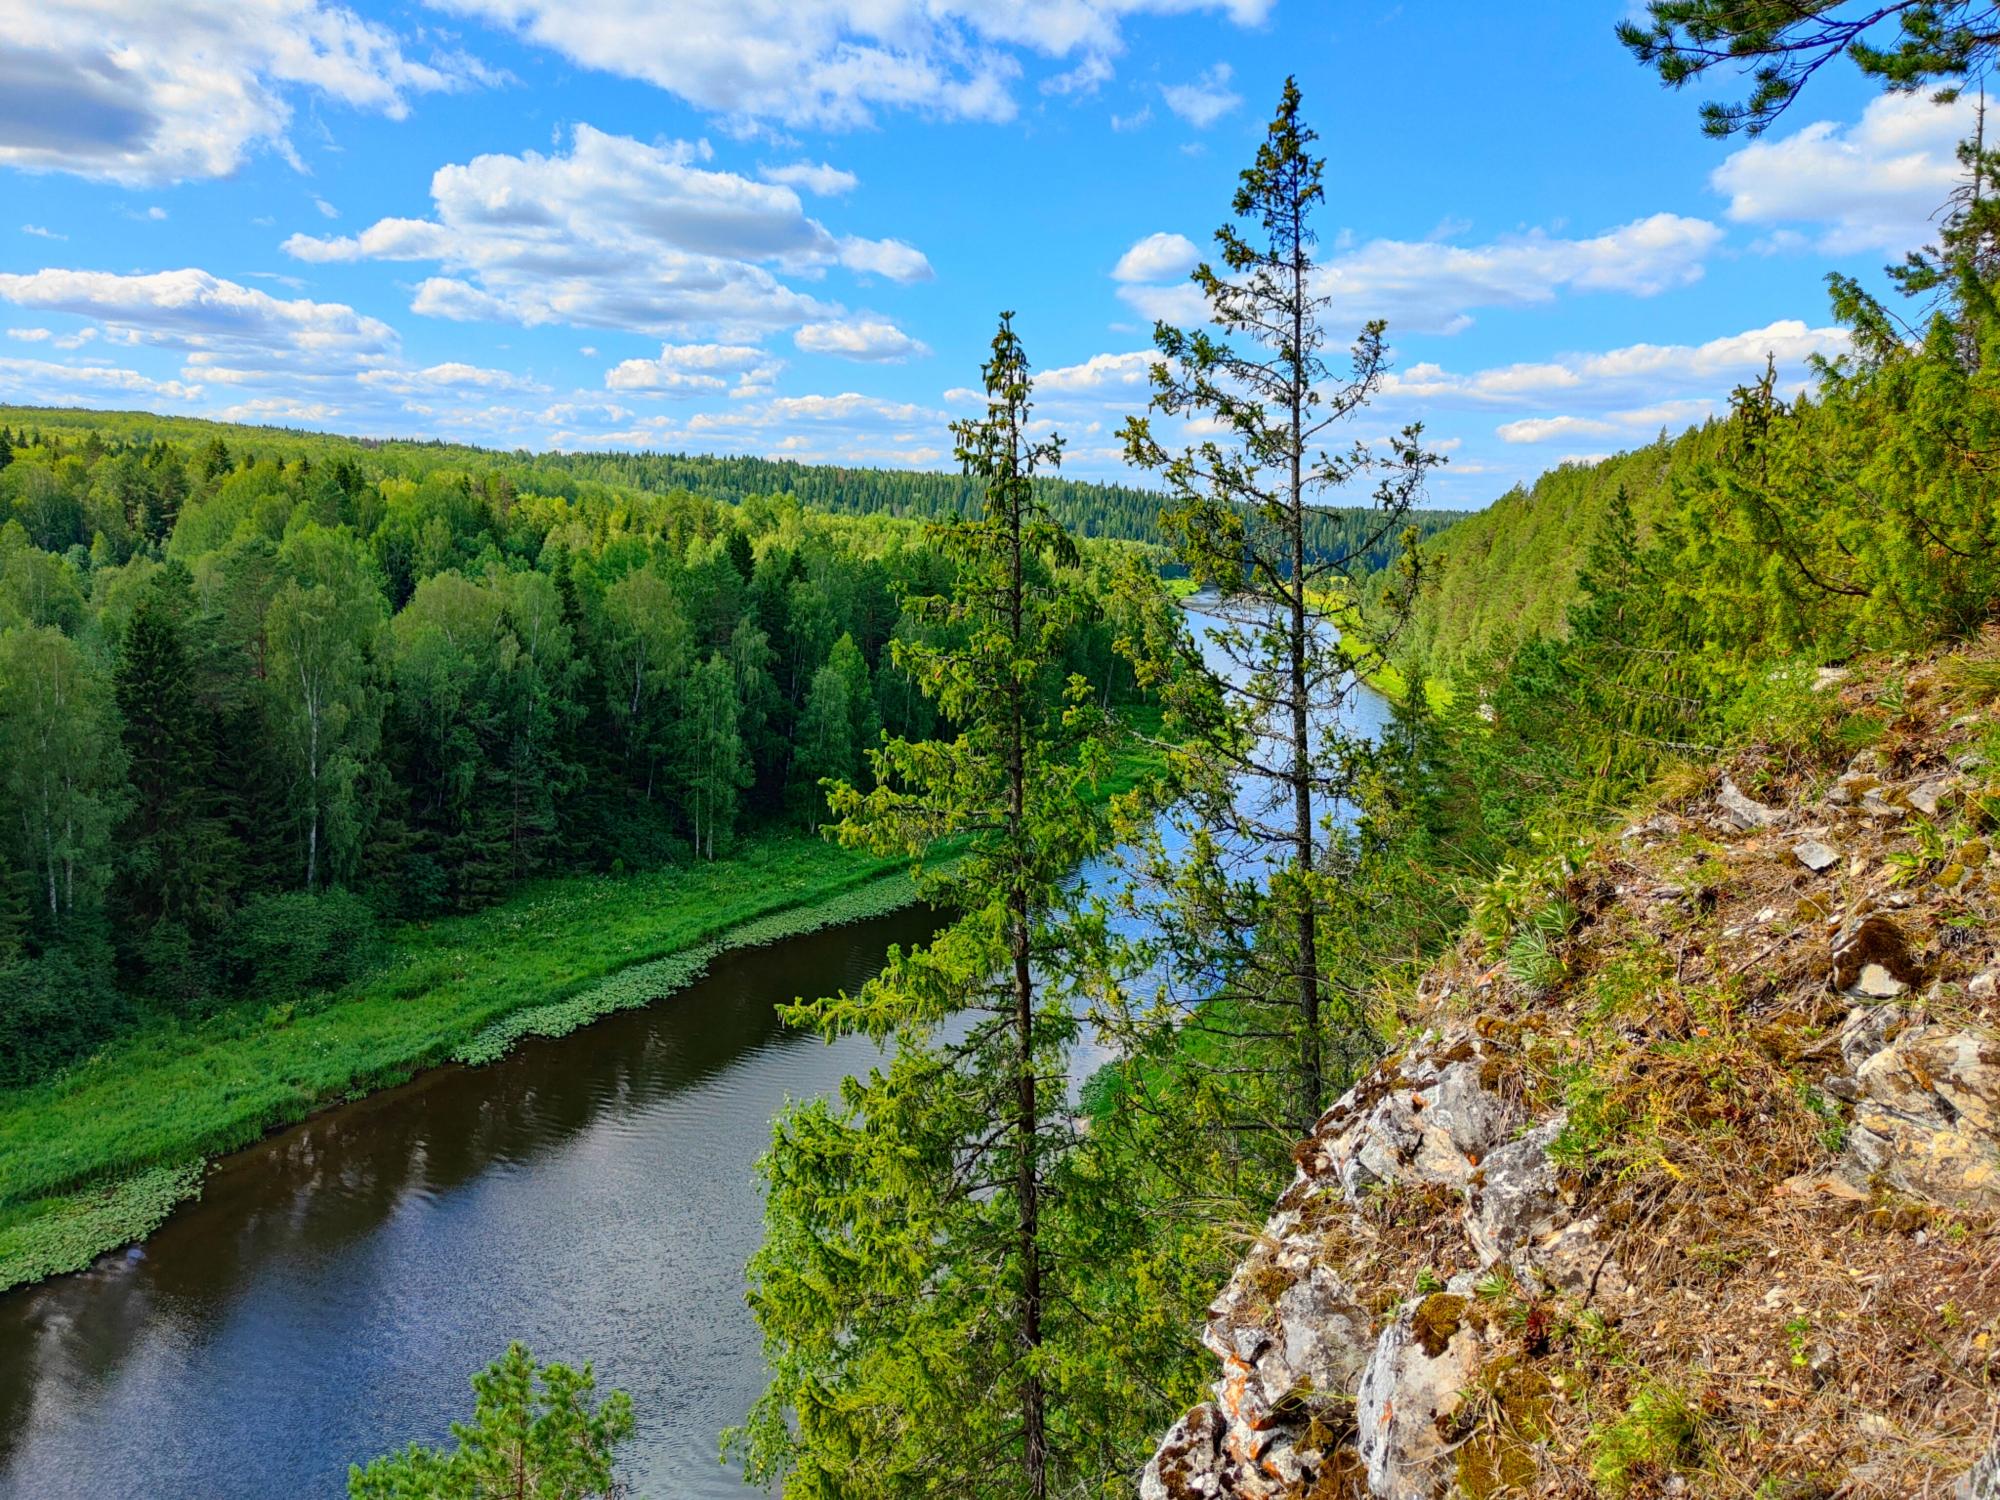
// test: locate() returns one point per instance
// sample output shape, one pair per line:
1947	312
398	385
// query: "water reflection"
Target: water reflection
328	1295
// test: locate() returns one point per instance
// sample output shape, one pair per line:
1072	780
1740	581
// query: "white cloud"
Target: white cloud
1429	286
859	338
1614	375
1870	186
45	382
1157	257
326	209
837	63
694	369
818	178
1204	101
154	91
194	310
42	234
616	234
452	375
1637	423
1123	373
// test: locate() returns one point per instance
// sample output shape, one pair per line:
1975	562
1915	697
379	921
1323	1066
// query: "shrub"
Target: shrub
293	944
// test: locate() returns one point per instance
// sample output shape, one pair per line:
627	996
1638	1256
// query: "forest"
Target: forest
284	694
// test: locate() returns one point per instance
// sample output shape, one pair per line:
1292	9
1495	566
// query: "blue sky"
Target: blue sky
786	226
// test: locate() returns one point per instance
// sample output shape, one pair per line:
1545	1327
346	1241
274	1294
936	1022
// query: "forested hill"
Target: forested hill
1087	509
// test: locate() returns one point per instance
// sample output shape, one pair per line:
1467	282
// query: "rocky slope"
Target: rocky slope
1694	1190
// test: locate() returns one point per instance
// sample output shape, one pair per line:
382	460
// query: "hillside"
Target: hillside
1111	511
1509	573
1682	1176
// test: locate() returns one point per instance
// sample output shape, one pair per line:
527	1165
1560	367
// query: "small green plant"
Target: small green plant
1429	1282
1659	1432
1798	1334
1497	1285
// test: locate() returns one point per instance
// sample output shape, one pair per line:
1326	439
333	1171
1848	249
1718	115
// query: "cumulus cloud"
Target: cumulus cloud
816	178
453	375
616	233
1098	375
194	310
45	382
694	369
1874	185
1431	286
1157	257
838	63
1615	374
152	91
859	338
1204	101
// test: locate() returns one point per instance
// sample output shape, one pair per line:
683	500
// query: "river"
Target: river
326	1298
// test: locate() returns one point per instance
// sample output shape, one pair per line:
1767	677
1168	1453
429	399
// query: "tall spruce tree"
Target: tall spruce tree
1266	698
915	1320
173	843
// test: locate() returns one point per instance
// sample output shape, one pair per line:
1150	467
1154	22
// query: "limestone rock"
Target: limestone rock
1412	1387
1982	1480
1816	856
1739	811
1189	1464
1876	983
1430	1119
1928	1121
1866	1031
1929	797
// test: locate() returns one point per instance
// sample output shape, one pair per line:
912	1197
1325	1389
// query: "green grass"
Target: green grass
545	961
96	1157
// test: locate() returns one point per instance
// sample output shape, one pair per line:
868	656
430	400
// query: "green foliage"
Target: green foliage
67	1233
295	943
239	663
1905	44
1657	1433
921	1289
534	1431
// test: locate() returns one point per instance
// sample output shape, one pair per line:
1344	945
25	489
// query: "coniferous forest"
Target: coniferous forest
277	708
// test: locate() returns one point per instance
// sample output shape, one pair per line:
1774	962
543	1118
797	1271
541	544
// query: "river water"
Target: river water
326	1298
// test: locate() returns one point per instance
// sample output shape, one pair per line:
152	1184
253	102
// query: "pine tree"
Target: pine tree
1278	762
915	1321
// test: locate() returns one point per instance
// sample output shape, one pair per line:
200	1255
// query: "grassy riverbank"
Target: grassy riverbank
130	1123
98	1156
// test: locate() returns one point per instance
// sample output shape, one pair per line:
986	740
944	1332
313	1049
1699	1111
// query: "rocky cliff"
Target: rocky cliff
1694	1191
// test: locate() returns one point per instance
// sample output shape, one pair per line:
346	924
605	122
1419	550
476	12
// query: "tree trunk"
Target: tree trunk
1311	1082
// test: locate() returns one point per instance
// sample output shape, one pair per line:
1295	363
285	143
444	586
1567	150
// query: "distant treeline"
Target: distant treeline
1087	509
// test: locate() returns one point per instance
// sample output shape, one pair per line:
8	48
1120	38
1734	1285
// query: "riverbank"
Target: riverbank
99	1156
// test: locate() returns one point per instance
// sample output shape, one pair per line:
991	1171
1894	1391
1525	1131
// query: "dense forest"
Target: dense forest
1086	508
254	698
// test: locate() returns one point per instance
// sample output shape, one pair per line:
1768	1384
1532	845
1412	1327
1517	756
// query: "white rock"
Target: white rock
1741	811
1877	983
1815	856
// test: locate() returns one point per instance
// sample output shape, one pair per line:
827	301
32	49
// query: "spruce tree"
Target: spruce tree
914	1318
173	844
1266	700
